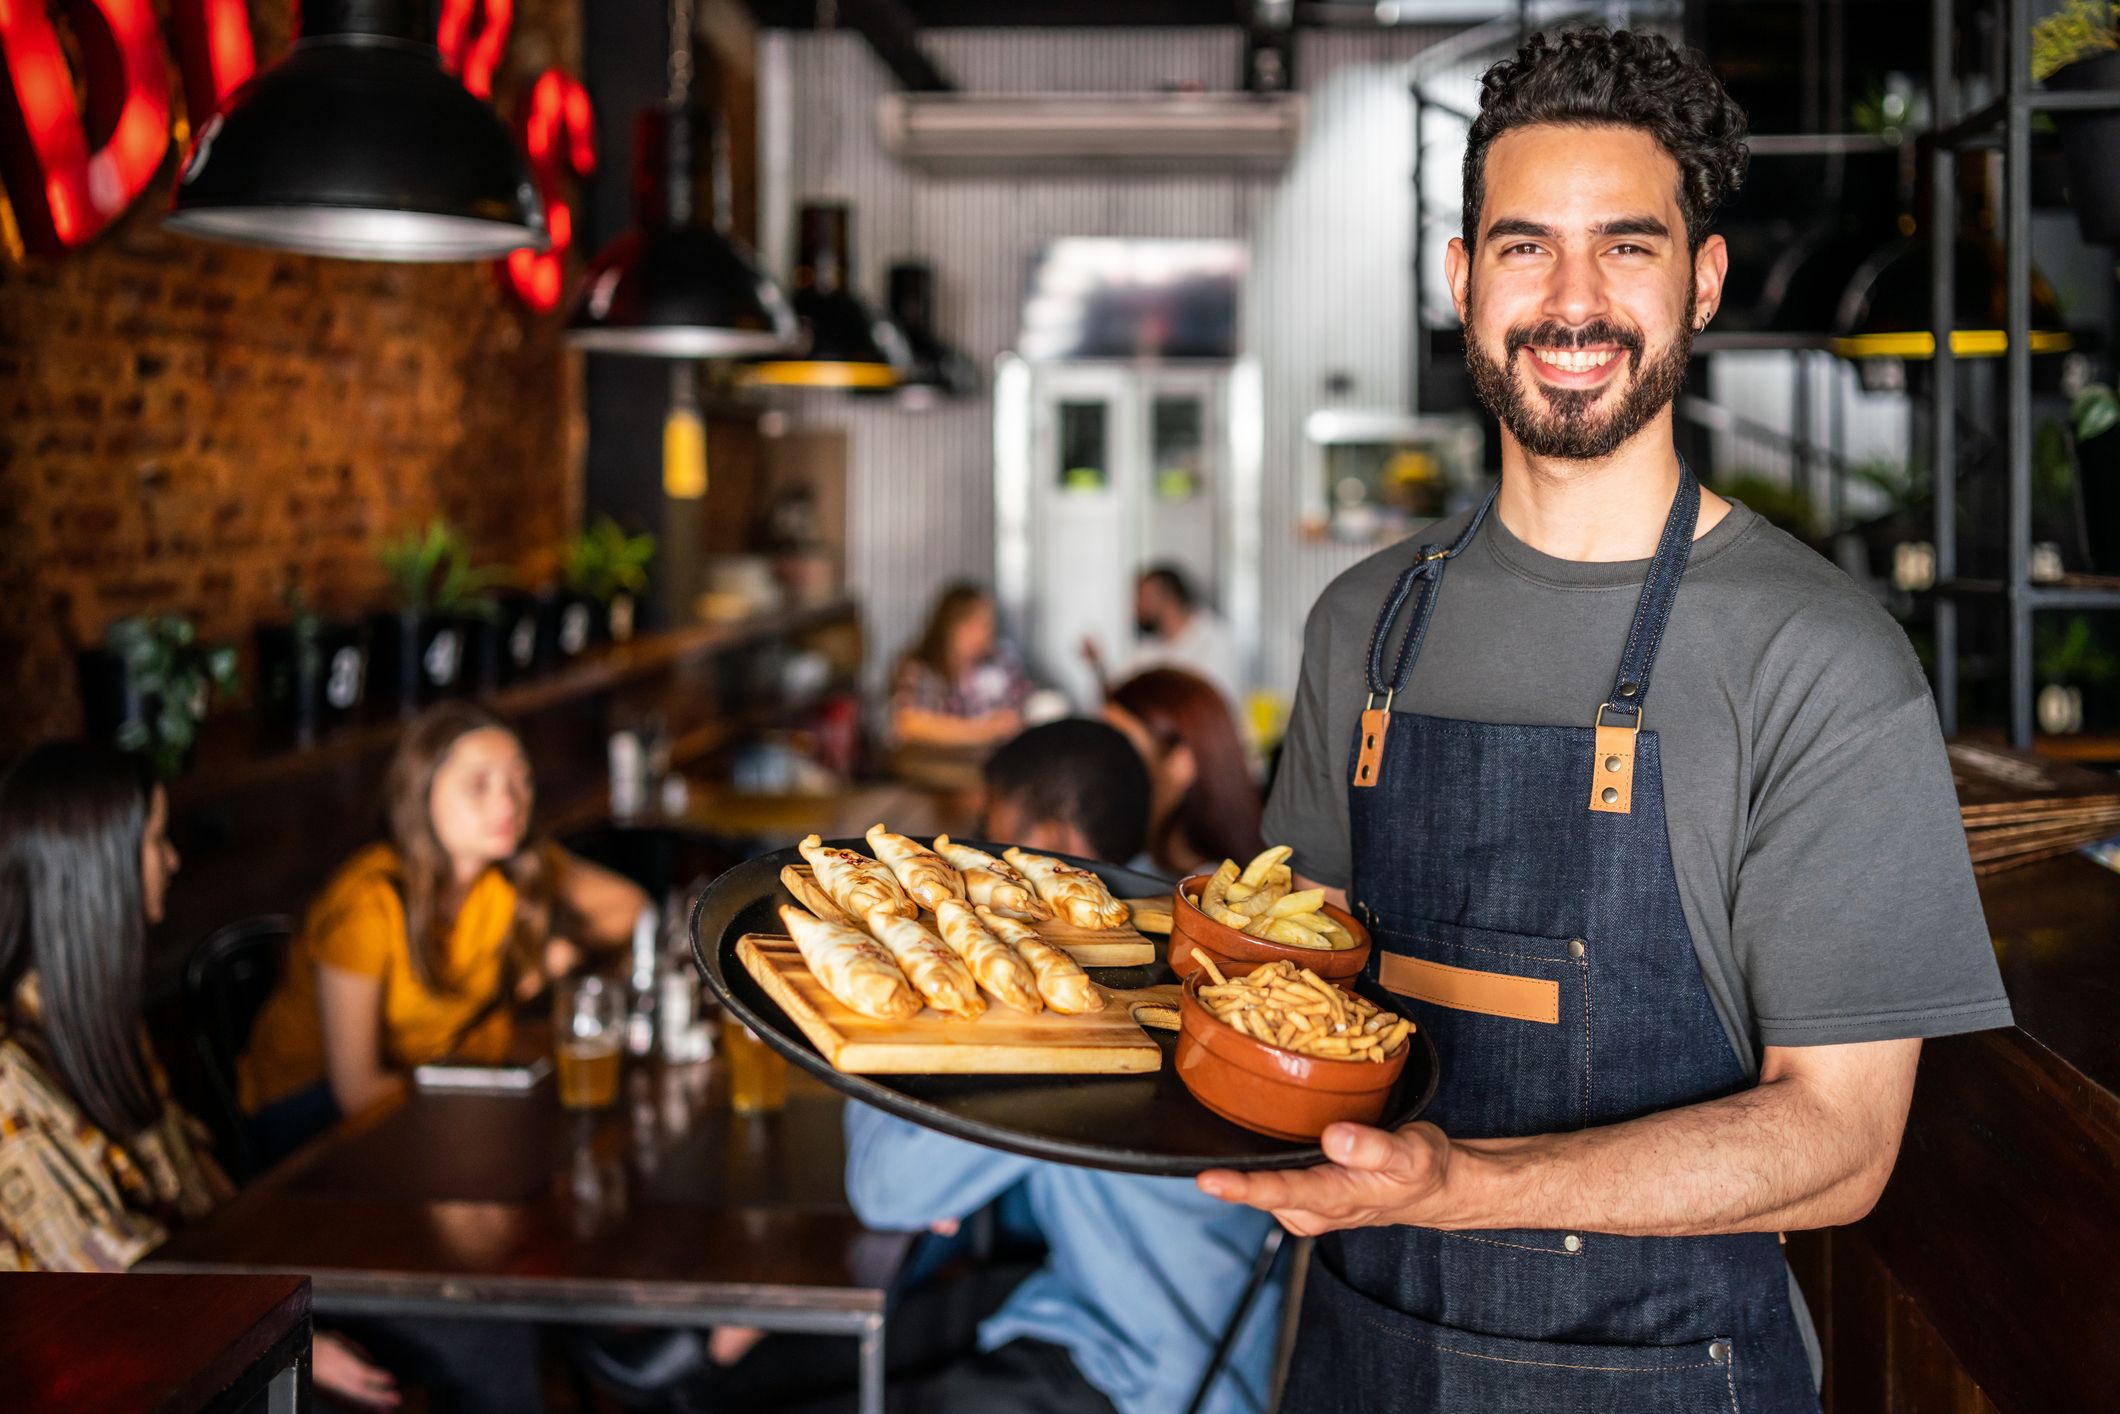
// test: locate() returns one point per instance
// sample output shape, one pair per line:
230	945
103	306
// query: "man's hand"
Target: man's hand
1810	1145
1377	1178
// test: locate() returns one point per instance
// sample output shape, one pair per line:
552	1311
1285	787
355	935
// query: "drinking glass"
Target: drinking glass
758	1077
588	1025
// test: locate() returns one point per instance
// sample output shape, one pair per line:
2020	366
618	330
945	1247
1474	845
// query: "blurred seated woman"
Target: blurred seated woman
962	685
420	944
1204	805
97	1162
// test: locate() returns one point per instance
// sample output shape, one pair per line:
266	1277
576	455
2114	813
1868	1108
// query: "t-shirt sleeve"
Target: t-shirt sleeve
356	926
1308	807
1856	916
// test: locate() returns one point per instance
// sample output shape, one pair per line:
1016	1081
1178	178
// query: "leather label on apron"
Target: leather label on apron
1490	993
1369	761
1612	771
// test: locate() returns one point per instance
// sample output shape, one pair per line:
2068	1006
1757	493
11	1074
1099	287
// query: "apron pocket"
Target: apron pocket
1354	1352
1510	1017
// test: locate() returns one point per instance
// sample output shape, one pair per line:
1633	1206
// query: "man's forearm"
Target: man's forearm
1771	1158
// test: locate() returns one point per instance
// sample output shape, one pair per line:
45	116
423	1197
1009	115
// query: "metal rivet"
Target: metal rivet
1718	1351
1628	689
1609	794
1612	763
1572	1243
1575	947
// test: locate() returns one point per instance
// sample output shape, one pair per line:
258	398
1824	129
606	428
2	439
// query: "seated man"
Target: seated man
1070	787
1139	1276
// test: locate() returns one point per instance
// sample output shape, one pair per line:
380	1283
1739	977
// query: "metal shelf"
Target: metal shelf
1742	341
1984	125
2007	123
1817	144
2074	592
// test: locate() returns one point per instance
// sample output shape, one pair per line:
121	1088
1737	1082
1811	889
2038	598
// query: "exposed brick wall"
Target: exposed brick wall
196	428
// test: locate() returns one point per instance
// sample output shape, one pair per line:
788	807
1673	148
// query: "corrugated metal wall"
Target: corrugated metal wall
1328	292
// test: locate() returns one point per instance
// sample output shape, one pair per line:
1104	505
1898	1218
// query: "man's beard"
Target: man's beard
1561	422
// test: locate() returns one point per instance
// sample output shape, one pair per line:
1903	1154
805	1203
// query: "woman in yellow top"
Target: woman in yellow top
419	944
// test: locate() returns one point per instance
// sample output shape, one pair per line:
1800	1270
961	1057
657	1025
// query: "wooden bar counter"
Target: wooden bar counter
1988	1277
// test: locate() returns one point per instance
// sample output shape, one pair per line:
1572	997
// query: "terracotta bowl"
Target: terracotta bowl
1238	953
1268	1088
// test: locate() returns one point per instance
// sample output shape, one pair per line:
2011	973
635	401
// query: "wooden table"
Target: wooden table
171	1344
665	1210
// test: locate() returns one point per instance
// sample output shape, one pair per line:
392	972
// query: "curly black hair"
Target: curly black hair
1596	77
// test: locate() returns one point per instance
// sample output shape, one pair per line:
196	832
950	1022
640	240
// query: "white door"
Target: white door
1103	470
1085	477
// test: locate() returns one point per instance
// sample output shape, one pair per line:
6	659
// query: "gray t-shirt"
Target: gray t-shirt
1814	829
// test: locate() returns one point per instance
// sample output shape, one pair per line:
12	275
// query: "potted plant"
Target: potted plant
610	568
312	672
149	685
2078	47
421	646
2072	666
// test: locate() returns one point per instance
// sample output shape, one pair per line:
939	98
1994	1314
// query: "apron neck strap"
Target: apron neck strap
1425	571
1652	612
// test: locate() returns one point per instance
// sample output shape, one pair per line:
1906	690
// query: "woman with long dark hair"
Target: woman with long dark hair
97	1162
1204	805
418	944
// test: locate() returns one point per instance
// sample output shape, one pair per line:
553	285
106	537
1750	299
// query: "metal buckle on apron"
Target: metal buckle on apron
1369	761
1612	766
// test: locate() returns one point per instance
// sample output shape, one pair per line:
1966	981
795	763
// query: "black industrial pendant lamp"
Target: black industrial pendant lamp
849	345
358	144
937	369
674	286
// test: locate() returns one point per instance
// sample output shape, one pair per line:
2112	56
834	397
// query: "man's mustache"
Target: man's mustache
1554	335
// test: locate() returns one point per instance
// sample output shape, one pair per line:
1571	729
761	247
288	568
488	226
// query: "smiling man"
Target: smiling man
1677	959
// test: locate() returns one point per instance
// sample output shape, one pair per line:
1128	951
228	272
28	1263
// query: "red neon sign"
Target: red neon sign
559	133
70	173
474	57
65	189
215	52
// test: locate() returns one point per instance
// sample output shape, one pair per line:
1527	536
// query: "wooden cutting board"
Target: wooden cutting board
1001	1041
1093	947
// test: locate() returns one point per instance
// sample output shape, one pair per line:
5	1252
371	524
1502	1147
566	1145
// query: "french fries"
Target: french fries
1291	1007
1261	899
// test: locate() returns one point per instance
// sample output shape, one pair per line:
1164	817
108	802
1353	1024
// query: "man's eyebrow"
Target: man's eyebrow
1604	230
1631	226
1517	226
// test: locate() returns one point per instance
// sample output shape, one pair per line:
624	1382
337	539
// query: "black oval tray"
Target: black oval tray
1129	1123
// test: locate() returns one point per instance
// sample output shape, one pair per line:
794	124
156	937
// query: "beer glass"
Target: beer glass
758	1077
588	1025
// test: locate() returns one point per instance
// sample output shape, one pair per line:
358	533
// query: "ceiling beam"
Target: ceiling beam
894	35
890	28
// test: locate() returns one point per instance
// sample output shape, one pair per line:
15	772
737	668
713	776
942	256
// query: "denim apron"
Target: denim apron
1518	883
